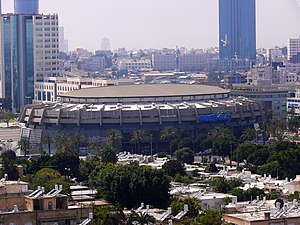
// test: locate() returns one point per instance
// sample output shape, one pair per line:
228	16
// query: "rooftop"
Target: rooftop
147	90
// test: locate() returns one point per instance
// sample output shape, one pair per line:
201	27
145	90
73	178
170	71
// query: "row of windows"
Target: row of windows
39	52
46	29
48	34
47	23
47	46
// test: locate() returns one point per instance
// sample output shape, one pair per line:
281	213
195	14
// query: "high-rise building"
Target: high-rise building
294	50
105	44
237	29
29	52
63	43
26	7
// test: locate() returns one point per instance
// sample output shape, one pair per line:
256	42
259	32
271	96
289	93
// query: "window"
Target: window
50	205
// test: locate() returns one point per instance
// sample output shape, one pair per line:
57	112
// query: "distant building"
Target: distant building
294	50
186	62
164	62
269	74
273	97
26	7
105	44
237	29
128	64
63	43
95	63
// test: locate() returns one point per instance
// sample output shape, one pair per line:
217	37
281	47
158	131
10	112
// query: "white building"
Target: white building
130	64
49	89
261	74
294	103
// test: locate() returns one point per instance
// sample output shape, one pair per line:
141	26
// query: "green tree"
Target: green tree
248	195
222	141
132	184
224	186
87	166
9	164
186	143
185	155
244	150
137	136
114	138
47	140
248	134
104	215
141	218
168	134
210	217
202	143
174	167
48	178
108	154
6	116
63	142
24	145
66	163
296	196
67	142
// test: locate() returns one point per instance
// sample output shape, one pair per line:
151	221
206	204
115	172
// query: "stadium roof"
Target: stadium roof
147	90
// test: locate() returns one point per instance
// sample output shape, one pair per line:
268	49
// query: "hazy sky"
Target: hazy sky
163	23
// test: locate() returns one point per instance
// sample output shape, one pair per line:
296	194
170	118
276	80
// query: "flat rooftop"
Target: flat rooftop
147	90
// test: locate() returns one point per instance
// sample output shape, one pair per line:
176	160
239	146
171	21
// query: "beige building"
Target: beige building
46	46
50	208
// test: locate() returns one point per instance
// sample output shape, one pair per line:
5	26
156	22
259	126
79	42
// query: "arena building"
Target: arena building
93	111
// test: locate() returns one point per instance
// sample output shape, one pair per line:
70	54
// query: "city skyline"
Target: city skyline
159	24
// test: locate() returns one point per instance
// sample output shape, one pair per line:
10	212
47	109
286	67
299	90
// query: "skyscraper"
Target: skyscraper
237	29
26	7
29	52
105	44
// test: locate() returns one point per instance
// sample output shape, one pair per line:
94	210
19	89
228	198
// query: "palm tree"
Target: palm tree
24	145
62	141
77	141
114	138
108	154
141	218
248	134
46	140
137	136
168	134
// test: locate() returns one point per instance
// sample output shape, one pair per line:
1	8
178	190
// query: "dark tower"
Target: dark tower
237	29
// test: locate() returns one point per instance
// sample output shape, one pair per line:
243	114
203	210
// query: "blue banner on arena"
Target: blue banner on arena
215	117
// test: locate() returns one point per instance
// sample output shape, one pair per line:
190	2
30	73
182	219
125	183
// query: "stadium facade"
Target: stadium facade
93	111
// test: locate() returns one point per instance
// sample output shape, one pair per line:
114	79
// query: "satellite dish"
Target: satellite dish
279	203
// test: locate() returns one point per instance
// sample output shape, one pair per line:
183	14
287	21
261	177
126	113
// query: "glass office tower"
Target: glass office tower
18	58
26	7
29	51
237	29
